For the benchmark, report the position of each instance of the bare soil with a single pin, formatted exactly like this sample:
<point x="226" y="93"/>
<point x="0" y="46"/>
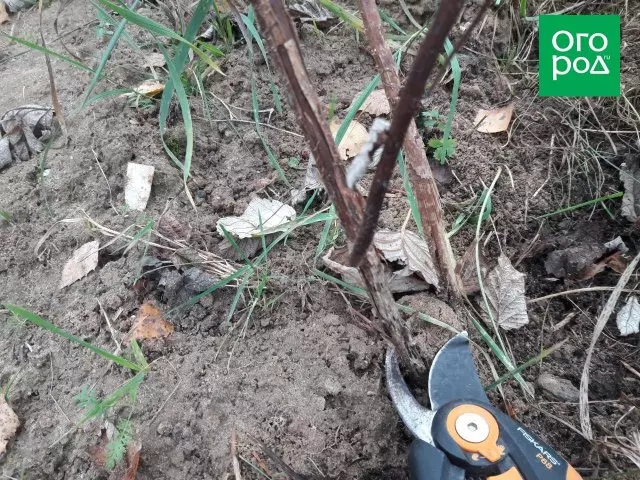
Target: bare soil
<point x="304" y="378"/>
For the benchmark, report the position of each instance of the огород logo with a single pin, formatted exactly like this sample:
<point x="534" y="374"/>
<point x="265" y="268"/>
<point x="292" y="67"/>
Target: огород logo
<point x="579" y="56"/>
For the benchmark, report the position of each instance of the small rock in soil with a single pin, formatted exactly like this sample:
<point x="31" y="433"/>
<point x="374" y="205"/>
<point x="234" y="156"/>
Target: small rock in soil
<point x="569" y="262"/>
<point x="560" y="388"/>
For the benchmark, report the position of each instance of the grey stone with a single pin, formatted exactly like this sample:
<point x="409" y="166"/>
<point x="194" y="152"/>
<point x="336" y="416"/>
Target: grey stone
<point x="561" y="388"/>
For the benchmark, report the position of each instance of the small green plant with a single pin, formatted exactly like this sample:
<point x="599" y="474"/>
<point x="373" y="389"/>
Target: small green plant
<point x="87" y="400"/>
<point x="444" y="147"/>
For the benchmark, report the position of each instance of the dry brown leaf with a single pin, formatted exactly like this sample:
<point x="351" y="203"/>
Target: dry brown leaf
<point x="505" y="292"/>
<point x="411" y="250"/>
<point x="9" y="424"/>
<point x="4" y="16"/>
<point x="376" y="104"/>
<point x="495" y="120"/>
<point x="83" y="260"/>
<point x="149" y="88"/>
<point x="149" y="324"/>
<point x="355" y="137"/>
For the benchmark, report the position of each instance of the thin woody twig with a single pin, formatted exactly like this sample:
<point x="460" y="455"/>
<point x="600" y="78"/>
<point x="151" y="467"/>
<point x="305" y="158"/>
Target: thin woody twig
<point x="285" y="48"/>
<point x="422" y="180"/>
<point x="406" y="108"/>
<point x="410" y="96"/>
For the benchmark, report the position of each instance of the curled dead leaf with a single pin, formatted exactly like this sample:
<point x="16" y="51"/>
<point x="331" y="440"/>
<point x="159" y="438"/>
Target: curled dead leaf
<point x="411" y="250"/>
<point x="354" y="138"/>
<point x="149" y="324"/>
<point x="495" y="120"/>
<point x="262" y="216"/>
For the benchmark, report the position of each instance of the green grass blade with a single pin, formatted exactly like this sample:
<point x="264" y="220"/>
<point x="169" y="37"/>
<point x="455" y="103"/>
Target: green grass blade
<point x="588" y="203"/>
<point x="158" y="29"/>
<point x="38" y="48"/>
<point x="343" y="15"/>
<point x="42" y="323"/>
<point x="388" y="19"/>
<point x="456" y="71"/>
<point x="532" y="361"/>
<point x="107" y="54"/>
<point x="411" y="198"/>
<point x="256" y="117"/>
<point x="501" y="355"/>
<point x="185" y="109"/>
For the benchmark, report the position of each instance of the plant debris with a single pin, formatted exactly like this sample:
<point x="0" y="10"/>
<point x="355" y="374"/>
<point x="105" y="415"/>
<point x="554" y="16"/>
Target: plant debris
<point x="149" y="324"/>
<point x="9" y="424"/>
<point x="585" y="260"/>
<point x="505" y="292"/>
<point x="83" y="261"/>
<point x="630" y="177"/>
<point x="354" y="138"/>
<point x="310" y="11"/>
<point x="262" y="216"/>
<point x="138" y="187"/>
<point x="399" y="282"/>
<point x="22" y="132"/>
<point x="628" y="319"/>
<point x="495" y="120"/>
<point x="312" y="182"/>
<point x="409" y="249"/>
<point x="376" y="104"/>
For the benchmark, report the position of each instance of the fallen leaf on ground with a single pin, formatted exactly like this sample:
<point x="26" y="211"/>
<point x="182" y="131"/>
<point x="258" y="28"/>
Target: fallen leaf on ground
<point x="495" y="120"/>
<point x="309" y="11"/>
<point x="83" y="260"/>
<point x="312" y="182"/>
<point x="399" y="282"/>
<point x="376" y="104"/>
<point x="4" y="16"/>
<point x="630" y="176"/>
<point x="262" y="216"/>
<point x="505" y="292"/>
<point x="149" y="324"/>
<point x="133" y="460"/>
<point x="154" y="59"/>
<point x="138" y="187"/>
<point x="149" y="88"/>
<point x="409" y="249"/>
<point x="354" y="138"/>
<point x="24" y="129"/>
<point x="9" y="424"/>
<point x="628" y="319"/>
<point x="586" y="260"/>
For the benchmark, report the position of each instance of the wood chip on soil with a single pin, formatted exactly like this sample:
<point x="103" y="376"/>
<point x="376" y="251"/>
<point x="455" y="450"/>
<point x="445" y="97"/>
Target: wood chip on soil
<point x="83" y="261"/>
<point x="138" y="187"/>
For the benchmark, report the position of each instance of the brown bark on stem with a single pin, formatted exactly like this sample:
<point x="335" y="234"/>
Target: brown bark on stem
<point x="285" y="48"/>
<point x="422" y="180"/>
<point x="403" y="114"/>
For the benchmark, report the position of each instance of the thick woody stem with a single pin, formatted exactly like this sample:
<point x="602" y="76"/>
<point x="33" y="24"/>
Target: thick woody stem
<point x="403" y="115"/>
<point x="422" y="180"/>
<point x="285" y="48"/>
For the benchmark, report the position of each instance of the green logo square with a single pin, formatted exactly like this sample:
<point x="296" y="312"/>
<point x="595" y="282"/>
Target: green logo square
<point x="579" y="56"/>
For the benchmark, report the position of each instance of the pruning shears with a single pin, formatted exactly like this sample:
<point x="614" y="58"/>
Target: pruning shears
<point x="463" y="436"/>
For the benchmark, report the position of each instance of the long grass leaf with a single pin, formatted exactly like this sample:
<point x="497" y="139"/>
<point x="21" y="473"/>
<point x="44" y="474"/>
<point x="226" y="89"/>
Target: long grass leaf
<point x="42" y="323"/>
<point x="107" y="54"/>
<point x="38" y="48"/>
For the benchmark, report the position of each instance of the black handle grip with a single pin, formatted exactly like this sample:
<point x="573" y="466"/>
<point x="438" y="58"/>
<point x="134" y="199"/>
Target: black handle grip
<point x="428" y="463"/>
